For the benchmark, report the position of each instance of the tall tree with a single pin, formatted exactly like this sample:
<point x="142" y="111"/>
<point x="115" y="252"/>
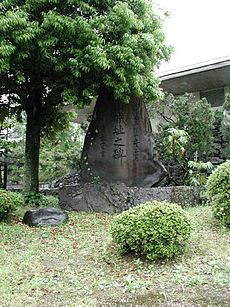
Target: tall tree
<point x="56" y="52"/>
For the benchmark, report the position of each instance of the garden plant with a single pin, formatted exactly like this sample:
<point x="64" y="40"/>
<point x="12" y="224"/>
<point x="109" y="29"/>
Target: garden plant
<point x="155" y="230"/>
<point x="218" y="192"/>
<point x="9" y="203"/>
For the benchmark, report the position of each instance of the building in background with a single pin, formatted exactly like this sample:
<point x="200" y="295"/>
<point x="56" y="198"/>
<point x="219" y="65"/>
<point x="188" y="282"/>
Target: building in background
<point x="208" y="79"/>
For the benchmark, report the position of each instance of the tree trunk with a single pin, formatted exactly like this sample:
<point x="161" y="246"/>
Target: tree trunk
<point x="1" y="181"/>
<point x="32" y="147"/>
<point x="5" y="170"/>
<point x="5" y="173"/>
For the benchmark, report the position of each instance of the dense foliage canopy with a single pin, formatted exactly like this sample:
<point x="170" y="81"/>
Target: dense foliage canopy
<point x="66" y="49"/>
<point x="55" y="52"/>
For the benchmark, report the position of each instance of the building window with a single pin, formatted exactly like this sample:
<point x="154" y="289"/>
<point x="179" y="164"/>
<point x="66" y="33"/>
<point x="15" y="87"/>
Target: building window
<point x="215" y="97"/>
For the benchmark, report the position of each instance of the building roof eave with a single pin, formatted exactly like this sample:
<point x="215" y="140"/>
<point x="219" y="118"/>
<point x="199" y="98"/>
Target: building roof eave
<point x="196" y="78"/>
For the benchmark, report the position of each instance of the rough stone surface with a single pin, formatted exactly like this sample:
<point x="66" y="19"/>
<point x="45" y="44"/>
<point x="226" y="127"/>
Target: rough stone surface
<point x="72" y="178"/>
<point x="45" y="217"/>
<point x="115" y="198"/>
<point x="119" y="145"/>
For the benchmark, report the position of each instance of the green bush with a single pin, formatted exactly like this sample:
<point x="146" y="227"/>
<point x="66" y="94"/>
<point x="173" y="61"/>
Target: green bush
<point x="219" y="181"/>
<point x="221" y="208"/>
<point x="184" y="133"/>
<point x="155" y="230"/>
<point x="35" y="199"/>
<point x="38" y="200"/>
<point x="225" y="127"/>
<point x="52" y="201"/>
<point x="218" y="192"/>
<point x="9" y="202"/>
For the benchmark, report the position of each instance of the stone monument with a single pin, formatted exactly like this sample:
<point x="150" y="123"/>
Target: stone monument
<point x="119" y="145"/>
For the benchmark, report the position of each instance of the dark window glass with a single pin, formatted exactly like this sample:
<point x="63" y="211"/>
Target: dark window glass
<point x="215" y="97"/>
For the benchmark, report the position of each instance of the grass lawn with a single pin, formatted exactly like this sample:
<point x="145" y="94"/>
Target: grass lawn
<point x="77" y="265"/>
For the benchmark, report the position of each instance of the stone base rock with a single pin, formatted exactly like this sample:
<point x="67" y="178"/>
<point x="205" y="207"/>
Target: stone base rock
<point x="71" y="178"/>
<point x="45" y="217"/>
<point x="115" y="198"/>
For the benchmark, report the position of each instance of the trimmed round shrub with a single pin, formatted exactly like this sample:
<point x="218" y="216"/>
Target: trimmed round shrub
<point x="221" y="208"/>
<point x="219" y="181"/>
<point x="9" y="202"/>
<point x="218" y="192"/>
<point x="155" y="230"/>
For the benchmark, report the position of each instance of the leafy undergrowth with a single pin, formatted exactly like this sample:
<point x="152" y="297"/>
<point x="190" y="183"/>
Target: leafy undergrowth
<point x="78" y="265"/>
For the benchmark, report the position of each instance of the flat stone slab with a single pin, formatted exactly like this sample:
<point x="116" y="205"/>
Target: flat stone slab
<point x="115" y="198"/>
<point x="45" y="217"/>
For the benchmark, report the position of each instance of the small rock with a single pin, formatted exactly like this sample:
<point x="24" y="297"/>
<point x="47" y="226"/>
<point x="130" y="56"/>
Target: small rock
<point x="45" y="217"/>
